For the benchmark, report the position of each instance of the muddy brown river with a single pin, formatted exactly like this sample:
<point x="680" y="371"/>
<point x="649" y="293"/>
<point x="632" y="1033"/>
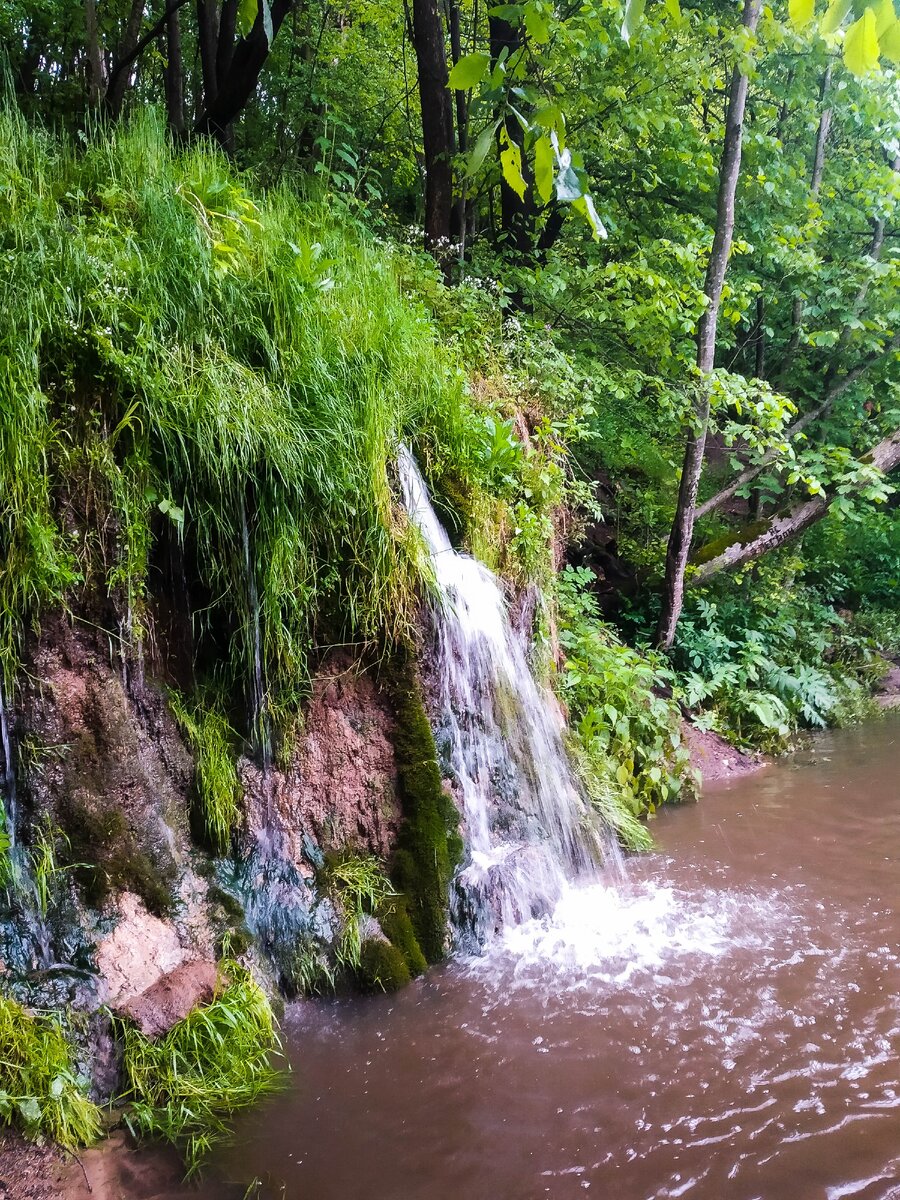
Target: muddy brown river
<point x="725" y="1024"/>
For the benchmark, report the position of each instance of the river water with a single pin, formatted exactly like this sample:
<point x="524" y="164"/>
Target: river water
<point x="726" y="1023"/>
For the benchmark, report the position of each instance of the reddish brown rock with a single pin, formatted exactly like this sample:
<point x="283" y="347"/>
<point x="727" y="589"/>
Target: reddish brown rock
<point x="173" y="997"/>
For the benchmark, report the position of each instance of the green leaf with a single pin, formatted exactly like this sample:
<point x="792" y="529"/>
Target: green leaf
<point x="246" y="16"/>
<point x="634" y="10"/>
<point x="29" y="1109"/>
<point x="861" y="45"/>
<point x="482" y="146"/>
<point x="543" y="168"/>
<point x="673" y="8"/>
<point x="511" y="163"/>
<point x="889" y="42"/>
<point x="801" y="12"/>
<point x="549" y="116"/>
<point x="469" y="71"/>
<point x="623" y="774"/>
<point x="537" y="25"/>
<point x="511" y="13"/>
<point x="834" y="17"/>
<point x="585" y="205"/>
<point x="885" y="17"/>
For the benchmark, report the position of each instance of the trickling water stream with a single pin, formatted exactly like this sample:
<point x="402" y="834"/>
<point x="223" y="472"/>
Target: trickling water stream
<point x="528" y="829"/>
<point x="726" y="1024"/>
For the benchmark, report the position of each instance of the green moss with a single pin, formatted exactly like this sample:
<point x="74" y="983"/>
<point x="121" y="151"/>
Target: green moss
<point x="393" y="917"/>
<point x="734" y="537"/>
<point x="108" y="860"/>
<point x="429" y="846"/>
<point x="382" y="967"/>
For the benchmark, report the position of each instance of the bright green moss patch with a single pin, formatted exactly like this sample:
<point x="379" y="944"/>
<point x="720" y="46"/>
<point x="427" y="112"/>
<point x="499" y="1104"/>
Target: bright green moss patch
<point x="393" y="917"/>
<point x="39" y="1091"/>
<point x="185" y="1087"/>
<point x="382" y="967"/>
<point x="429" y="846"/>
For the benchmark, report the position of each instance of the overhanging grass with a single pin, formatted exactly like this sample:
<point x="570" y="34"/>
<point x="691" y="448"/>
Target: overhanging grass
<point x="182" y="357"/>
<point x="184" y="1087"/>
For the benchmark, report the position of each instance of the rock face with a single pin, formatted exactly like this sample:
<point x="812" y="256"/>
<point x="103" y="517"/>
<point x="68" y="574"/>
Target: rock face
<point x="340" y="789"/>
<point x="139" y="912"/>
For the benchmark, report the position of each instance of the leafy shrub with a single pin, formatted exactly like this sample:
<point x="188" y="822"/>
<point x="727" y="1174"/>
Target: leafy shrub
<point x="39" y="1090"/>
<point x="770" y="660"/>
<point x="185" y="1086"/>
<point x="617" y="713"/>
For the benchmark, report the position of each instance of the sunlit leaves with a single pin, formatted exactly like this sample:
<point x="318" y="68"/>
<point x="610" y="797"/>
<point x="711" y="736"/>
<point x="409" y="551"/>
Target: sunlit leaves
<point x="801" y="12"/>
<point x="511" y="163"/>
<point x="861" y="44"/>
<point x="543" y="168"/>
<point x="634" y="10"/>
<point x="469" y="71"/>
<point x="248" y="11"/>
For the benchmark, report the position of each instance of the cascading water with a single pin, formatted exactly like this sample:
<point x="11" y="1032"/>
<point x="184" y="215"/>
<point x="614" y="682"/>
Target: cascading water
<point x="528" y="828"/>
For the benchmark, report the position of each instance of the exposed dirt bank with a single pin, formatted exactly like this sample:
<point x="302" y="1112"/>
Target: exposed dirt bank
<point x="716" y="759"/>
<point x="114" y="1170"/>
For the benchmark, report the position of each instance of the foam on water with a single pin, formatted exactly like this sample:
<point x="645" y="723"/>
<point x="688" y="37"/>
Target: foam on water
<point x="616" y="935"/>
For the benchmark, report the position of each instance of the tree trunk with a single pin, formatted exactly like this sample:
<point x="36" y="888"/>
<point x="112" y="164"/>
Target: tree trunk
<point x="729" y="171"/>
<point x="207" y="41"/>
<point x="458" y="222"/>
<point x="234" y="90"/>
<point x="96" y="81"/>
<point x="746" y="545"/>
<point x="437" y="126"/>
<point x="118" y="80"/>
<point x="818" y="169"/>
<point x="517" y="214"/>
<point x="174" y="76"/>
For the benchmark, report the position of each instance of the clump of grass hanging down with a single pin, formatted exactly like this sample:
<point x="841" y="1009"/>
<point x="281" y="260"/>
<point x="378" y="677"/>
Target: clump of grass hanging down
<point x="359" y="885"/>
<point x="184" y="1087"/>
<point x="218" y="788"/>
<point x="39" y="1090"/>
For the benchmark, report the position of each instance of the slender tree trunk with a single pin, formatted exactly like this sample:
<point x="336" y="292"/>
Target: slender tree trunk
<point x="815" y="183"/>
<point x="96" y="79"/>
<point x="174" y="76"/>
<point x="437" y="126"/>
<point x="729" y="173"/>
<point x="517" y="214"/>
<point x="458" y="222"/>
<point x="746" y="545"/>
<point x="207" y="41"/>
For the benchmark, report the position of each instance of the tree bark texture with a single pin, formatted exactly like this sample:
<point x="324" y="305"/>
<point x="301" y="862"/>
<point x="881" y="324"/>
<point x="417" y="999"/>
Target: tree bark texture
<point x="729" y="172"/>
<point x="437" y="126"/>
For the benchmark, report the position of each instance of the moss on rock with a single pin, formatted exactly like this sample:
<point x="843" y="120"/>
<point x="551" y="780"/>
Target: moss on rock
<point x="393" y="917"/>
<point x="382" y="967"/>
<point x="429" y="846"/>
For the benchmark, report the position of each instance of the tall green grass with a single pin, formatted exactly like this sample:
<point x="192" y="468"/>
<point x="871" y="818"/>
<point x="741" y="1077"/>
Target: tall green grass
<point x="184" y="1087"/>
<point x="184" y="356"/>
<point x="39" y="1090"/>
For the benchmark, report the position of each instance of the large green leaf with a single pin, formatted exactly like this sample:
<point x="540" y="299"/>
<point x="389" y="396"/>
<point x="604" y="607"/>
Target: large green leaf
<point x="634" y="10"/>
<point x="469" y="71"/>
<point x="861" y="45"/>
<point x="537" y="24"/>
<point x="834" y="17"/>
<point x="511" y="163"/>
<point x="889" y="42"/>
<point x="801" y="12"/>
<point x="482" y="145"/>
<point x="885" y="17"/>
<point x="543" y="168"/>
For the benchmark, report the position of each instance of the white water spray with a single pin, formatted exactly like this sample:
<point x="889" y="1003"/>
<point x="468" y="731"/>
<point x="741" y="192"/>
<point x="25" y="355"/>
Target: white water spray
<point x="528" y="827"/>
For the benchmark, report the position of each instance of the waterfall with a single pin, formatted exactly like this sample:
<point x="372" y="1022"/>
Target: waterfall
<point x="527" y="825"/>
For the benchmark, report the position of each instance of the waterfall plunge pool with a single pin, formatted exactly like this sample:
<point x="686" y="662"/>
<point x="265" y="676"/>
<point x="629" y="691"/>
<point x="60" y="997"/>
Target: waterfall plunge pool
<point x="726" y="1023"/>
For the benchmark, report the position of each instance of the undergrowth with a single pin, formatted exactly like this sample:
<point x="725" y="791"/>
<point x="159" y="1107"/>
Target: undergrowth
<point x="626" y="735"/>
<point x="183" y="1088"/>
<point x="40" y="1092"/>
